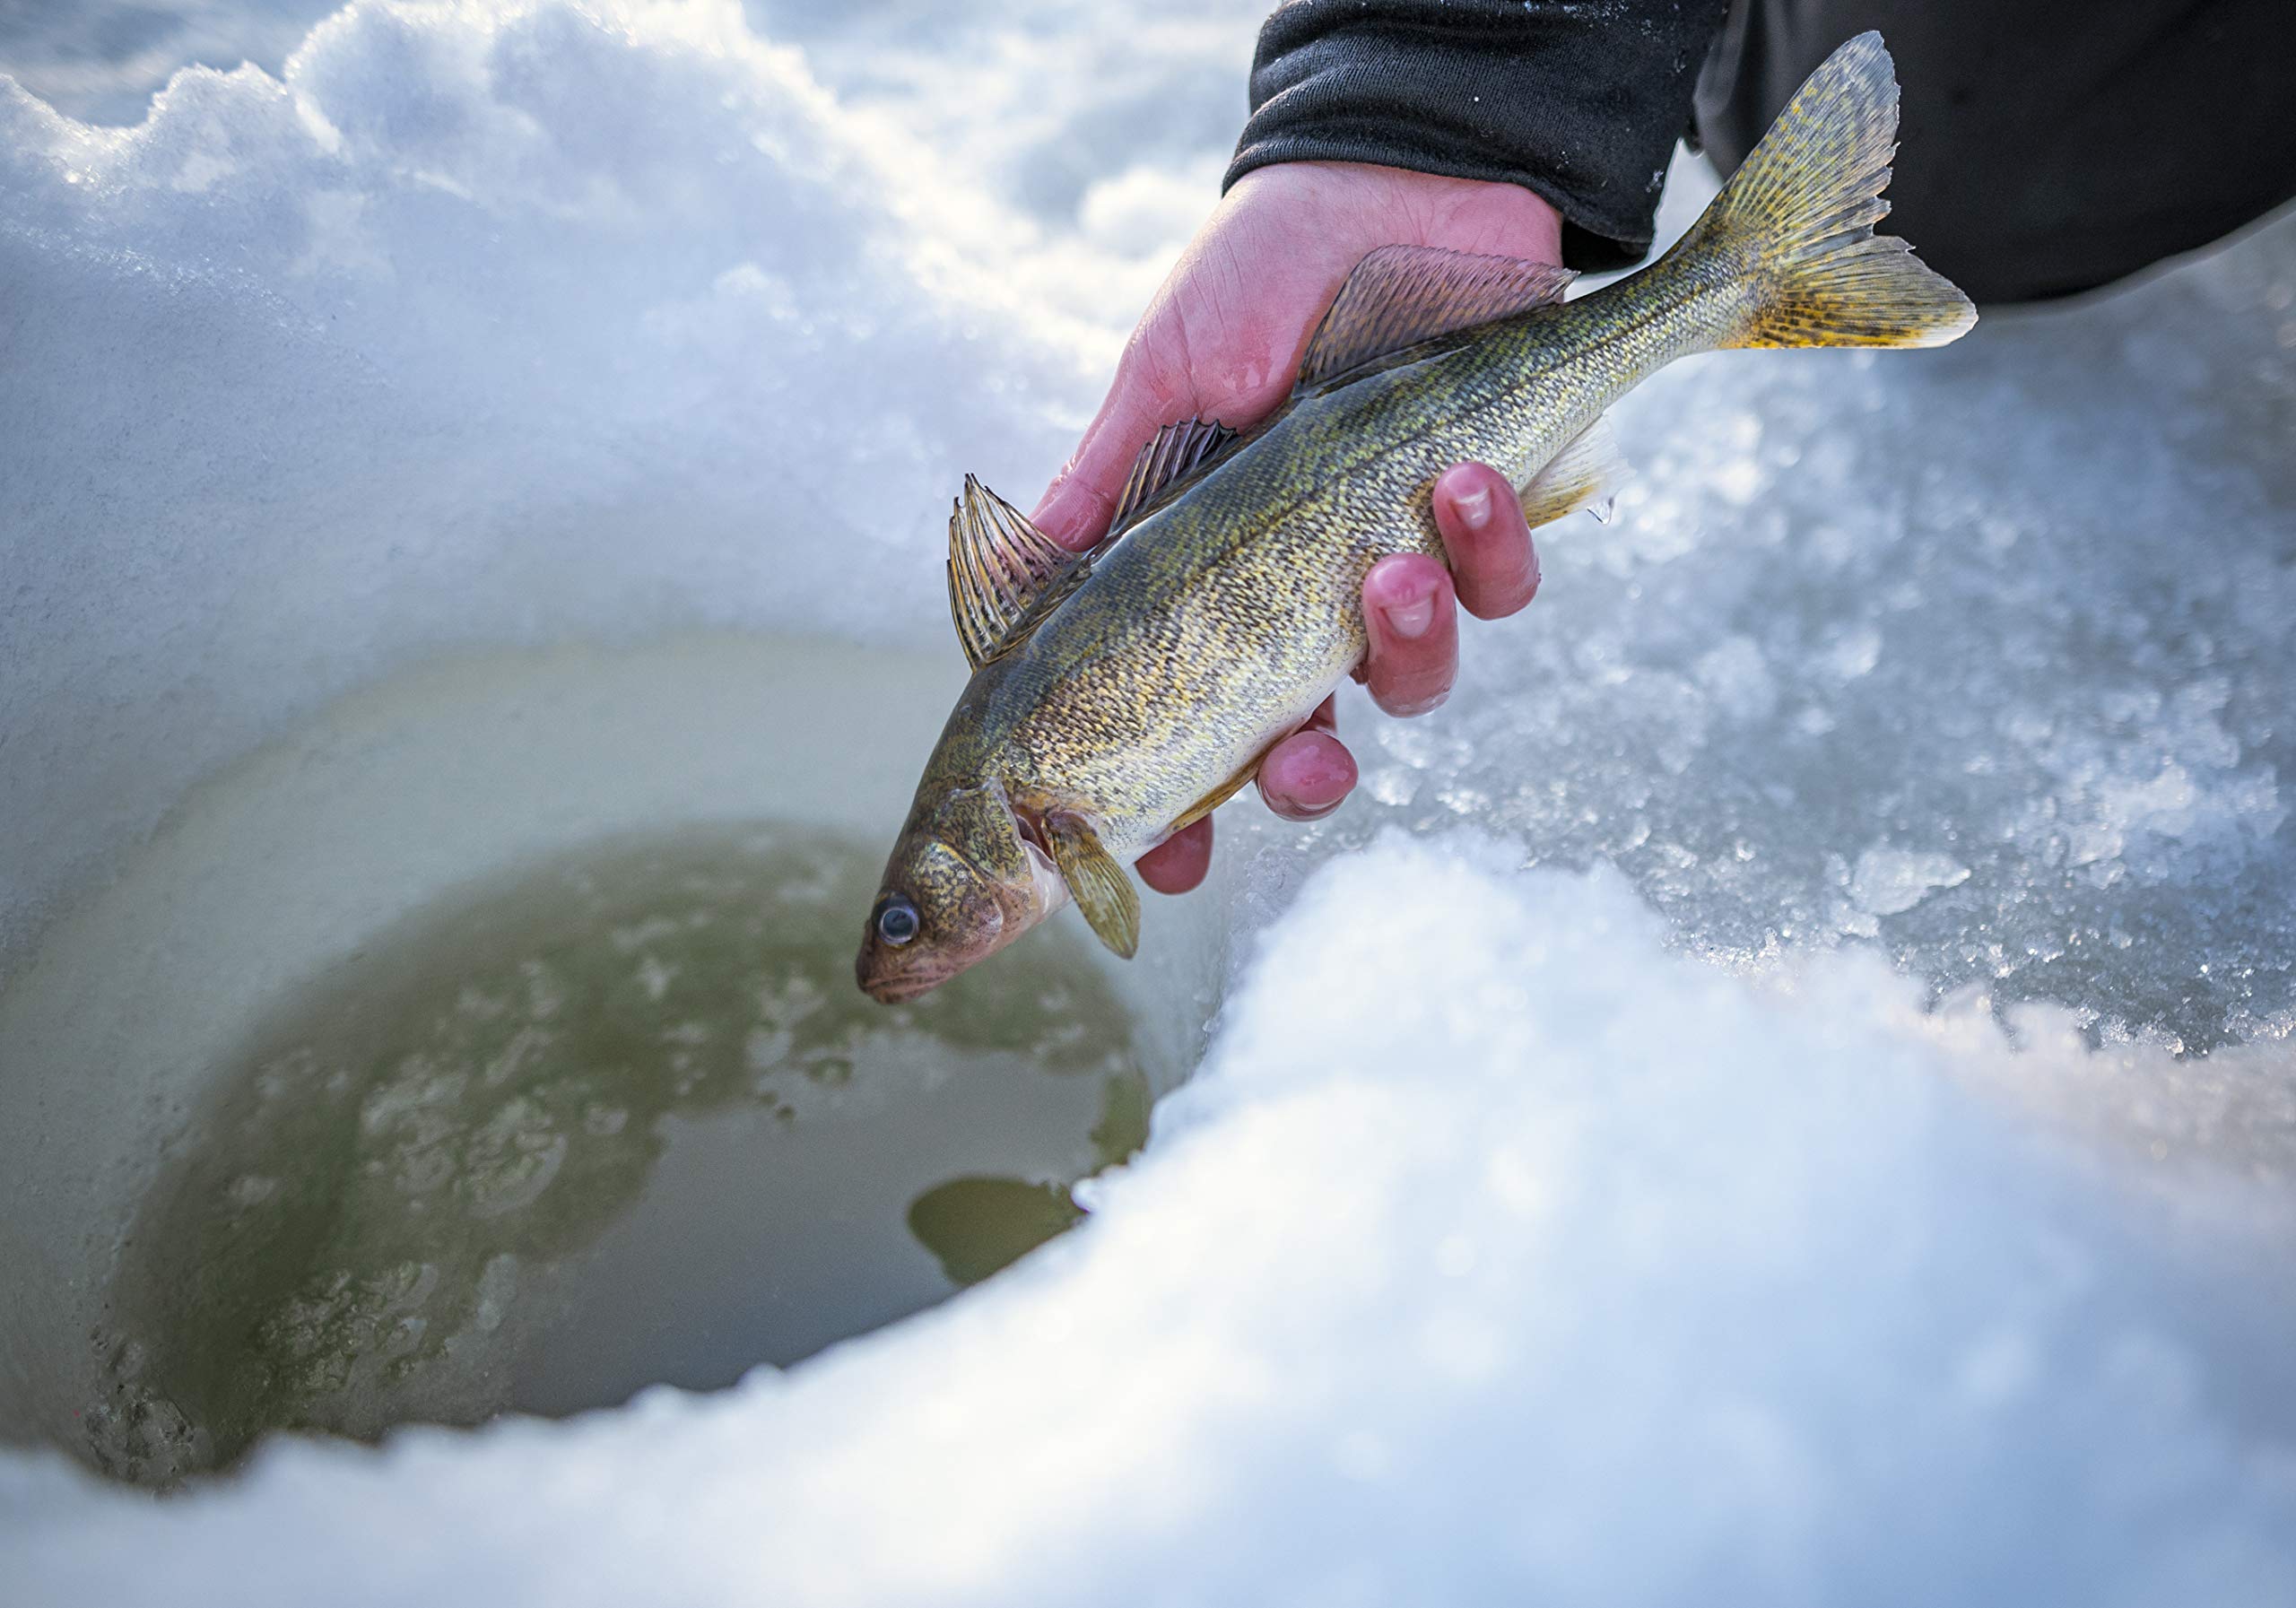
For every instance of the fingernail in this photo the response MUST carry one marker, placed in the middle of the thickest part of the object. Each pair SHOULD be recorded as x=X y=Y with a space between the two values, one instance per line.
x=1411 y=620
x=1473 y=507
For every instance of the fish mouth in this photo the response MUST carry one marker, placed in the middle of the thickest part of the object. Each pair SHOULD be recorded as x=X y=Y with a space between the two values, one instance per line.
x=898 y=988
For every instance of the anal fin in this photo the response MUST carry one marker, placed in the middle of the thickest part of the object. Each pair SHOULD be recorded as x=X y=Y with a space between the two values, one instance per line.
x=1587 y=474
x=1218 y=796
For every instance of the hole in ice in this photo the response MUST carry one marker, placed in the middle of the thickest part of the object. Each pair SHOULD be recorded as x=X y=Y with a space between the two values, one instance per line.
x=615 y=1118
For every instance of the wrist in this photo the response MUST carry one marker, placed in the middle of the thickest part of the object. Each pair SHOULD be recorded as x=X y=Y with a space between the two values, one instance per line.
x=1378 y=205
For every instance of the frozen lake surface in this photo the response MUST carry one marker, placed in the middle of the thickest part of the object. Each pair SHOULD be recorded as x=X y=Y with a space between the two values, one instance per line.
x=1779 y=1092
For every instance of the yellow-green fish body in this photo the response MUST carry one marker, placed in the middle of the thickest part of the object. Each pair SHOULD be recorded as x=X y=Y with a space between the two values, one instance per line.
x=1117 y=697
x=1220 y=621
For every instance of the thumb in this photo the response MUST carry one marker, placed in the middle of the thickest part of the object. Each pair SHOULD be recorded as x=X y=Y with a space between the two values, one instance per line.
x=1219 y=341
x=1076 y=508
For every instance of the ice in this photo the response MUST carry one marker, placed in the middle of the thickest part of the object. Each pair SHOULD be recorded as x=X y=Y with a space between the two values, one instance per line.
x=2014 y=608
x=1889 y=881
x=1779 y=1092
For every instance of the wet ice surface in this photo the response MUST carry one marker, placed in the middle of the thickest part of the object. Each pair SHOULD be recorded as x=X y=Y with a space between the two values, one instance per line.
x=1980 y=656
x=1644 y=1236
x=616 y=1120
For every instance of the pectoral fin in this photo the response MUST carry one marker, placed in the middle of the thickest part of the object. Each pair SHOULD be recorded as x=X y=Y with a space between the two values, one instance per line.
x=1096 y=882
x=1587 y=474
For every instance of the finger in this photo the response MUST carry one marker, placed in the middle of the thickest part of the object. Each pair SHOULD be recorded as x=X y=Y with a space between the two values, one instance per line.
x=1412 y=615
x=1305 y=777
x=1494 y=565
x=1076 y=508
x=1179 y=862
x=1156 y=383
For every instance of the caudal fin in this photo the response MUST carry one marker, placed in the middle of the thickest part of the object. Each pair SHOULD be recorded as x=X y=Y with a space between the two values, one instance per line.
x=1797 y=220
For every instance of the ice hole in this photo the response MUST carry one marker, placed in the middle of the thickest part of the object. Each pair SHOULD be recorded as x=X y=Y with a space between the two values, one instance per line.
x=491 y=1045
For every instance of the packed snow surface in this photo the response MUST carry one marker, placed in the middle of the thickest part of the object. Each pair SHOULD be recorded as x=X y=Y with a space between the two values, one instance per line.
x=1779 y=1093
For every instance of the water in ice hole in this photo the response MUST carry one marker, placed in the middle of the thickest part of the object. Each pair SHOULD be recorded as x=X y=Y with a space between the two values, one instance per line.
x=481 y=1046
x=616 y=1119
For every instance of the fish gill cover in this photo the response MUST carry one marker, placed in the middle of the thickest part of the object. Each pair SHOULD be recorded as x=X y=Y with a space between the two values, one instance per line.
x=1633 y=1234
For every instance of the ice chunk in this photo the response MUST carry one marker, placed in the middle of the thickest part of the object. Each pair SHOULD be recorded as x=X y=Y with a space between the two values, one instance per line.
x=1890 y=880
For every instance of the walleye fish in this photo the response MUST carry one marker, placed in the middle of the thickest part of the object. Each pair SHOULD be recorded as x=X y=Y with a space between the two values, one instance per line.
x=1120 y=695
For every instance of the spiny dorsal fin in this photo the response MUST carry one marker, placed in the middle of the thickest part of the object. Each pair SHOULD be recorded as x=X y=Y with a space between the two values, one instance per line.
x=1176 y=452
x=1096 y=882
x=1400 y=295
x=1587 y=474
x=998 y=565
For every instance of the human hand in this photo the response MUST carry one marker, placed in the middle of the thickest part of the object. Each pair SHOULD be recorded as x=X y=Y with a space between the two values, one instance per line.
x=1222 y=340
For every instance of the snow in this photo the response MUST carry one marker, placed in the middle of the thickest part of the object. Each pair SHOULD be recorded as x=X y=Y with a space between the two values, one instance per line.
x=1447 y=1277
x=1779 y=1092
x=493 y=323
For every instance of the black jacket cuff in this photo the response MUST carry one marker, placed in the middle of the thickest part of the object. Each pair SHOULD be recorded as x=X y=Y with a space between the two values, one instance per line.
x=1577 y=102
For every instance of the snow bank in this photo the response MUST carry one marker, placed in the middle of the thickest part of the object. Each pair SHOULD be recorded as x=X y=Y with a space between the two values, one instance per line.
x=489 y=323
x=1635 y=1234
x=101 y=60
x=1495 y=1255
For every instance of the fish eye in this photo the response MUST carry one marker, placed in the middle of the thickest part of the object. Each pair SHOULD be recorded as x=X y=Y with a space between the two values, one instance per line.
x=896 y=919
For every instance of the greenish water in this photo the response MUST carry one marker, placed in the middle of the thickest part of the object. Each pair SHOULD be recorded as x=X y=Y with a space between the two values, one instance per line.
x=618 y=1119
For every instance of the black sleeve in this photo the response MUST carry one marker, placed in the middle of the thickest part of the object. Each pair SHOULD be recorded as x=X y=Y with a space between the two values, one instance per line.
x=2051 y=145
x=1580 y=100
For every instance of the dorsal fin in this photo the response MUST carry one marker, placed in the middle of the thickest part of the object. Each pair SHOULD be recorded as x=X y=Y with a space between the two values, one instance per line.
x=1173 y=454
x=998 y=565
x=1400 y=295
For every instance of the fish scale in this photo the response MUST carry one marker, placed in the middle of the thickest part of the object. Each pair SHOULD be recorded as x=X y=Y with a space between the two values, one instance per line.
x=1118 y=696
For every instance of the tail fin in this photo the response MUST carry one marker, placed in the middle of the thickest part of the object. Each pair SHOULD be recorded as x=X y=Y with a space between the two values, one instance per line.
x=1798 y=220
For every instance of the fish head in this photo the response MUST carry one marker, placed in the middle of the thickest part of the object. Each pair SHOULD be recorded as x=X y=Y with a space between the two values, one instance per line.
x=965 y=879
